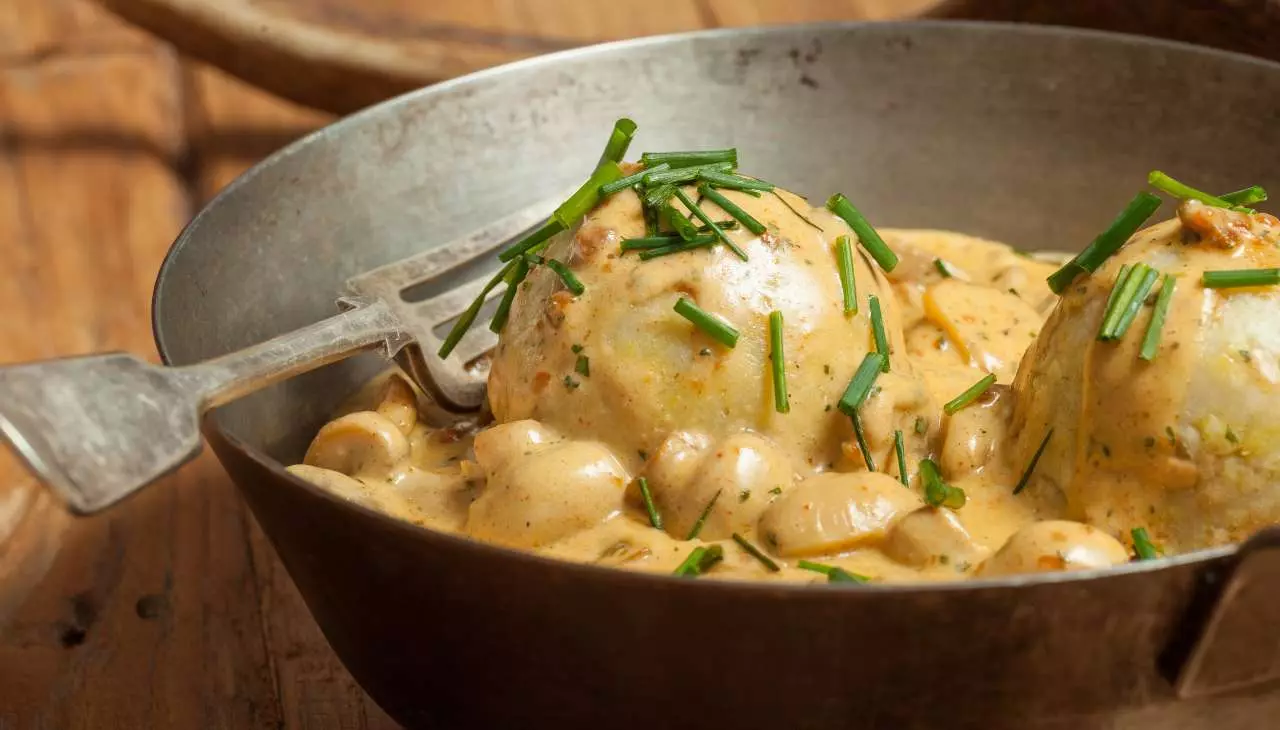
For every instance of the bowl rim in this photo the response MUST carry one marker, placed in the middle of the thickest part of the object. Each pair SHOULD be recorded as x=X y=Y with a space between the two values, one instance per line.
x=588 y=571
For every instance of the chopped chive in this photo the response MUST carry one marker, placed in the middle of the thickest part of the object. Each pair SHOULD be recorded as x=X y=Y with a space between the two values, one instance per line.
x=756 y=553
x=861 y=437
x=777 y=358
x=716 y=328
x=860 y=385
x=1031 y=467
x=740 y=215
x=678 y=222
x=792 y=208
x=971 y=394
x=700 y=560
x=500 y=315
x=680 y=247
x=1234 y=278
x=1142 y=545
x=877 y=331
x=583 y=366
x=1119 y=304
x=619 y=140
x=1161 y=181
x=706 y=220
x=659 y=196
x=1130 y=312
x=1136 y=213
x=692 y=159
x=571 y=282
x=650 y=218
x=1248 y=196
x=848 y=285
x=867 y=235
x=1121 y=277
x=1112 y=311
x=900 y=448
x=684 y=175
x=646 y=242
x=734 y=182
x=834 y=573
x=937 y=493
x=543 y=232
x=728 y=225
x=702 y=518
x=628 y=181
x=921 y=426
x=943 y=268
x=1151 y=343
x=655 y=518
x=581 y=202
x=469 y=317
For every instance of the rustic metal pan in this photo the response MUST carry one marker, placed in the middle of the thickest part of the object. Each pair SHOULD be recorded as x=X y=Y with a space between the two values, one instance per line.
x=1030 y=135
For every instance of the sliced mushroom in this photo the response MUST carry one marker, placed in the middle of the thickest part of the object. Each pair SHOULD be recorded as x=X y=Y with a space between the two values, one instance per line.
x=932 y=536
x=832 y=512
x=548 y=494
x=1055 y=545
x=497 y=446
x=399 y=404
x=971 y=433
x=362 y=444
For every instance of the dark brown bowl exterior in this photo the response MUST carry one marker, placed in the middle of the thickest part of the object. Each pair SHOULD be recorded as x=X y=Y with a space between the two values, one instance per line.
x=1031 y=135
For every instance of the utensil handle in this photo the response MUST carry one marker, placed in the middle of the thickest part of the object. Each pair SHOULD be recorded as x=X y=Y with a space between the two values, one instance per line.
x=98 y=428
x=1244 y=26
x=1229 y=640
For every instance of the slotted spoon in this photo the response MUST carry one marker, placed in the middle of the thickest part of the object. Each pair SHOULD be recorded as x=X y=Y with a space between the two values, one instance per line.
x=100 y=427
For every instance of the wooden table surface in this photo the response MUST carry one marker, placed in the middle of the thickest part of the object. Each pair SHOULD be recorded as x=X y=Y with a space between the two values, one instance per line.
x=173 y=610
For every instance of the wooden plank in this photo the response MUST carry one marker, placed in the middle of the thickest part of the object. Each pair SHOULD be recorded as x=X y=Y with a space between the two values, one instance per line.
x=34 y=30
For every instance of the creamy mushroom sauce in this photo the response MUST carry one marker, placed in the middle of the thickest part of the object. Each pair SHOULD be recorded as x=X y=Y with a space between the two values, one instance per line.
x=1183 y=445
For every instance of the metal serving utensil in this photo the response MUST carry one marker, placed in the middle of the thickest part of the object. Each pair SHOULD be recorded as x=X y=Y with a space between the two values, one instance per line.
x=100 y=427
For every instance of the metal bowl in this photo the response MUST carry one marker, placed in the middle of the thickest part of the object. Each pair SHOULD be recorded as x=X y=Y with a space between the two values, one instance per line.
x=1029 y=135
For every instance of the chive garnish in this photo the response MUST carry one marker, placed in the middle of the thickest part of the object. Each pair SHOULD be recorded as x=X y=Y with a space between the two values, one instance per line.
x=834 y=573
x=655 y=518
x=543 y=232
x=728 y=225
x=469 y=317
x=700 y=560
x=844 y=265
x=943 y=268
x=647 y=242
x=1161 y=181
x=716 y=328
x=1151 y=342
x=581 y=202
x=861 y=437
x=860 y=385
x=1125 y=305
x=691 y=159
x=1248 y=196
x=867 y=235
x=658 y=196
x=740 y=215
x=900 y=448
x=500 y=315
x=571 y=282
x=677 y=221
x=1130 y=313
x=777 y=362
x=1121 y=277
x=792 y=208
x=619 y=140
x=734 y=182
x=1235 y=278
x=1142 y=545
x=680 y=247
x=702 y=518
x=685 y=175
x=629 y=181
x=1031 y=467
x=971 y=394
x=756 y=553
x=583 y=366
x=877 y=331
x=1136 y=213
x=706 y=221
x=938 y=493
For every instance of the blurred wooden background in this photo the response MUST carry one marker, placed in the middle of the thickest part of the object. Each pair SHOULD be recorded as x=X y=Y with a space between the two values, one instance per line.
x=173 y=611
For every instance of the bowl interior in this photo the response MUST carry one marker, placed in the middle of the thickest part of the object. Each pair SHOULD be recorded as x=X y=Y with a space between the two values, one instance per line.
x=1033 y=136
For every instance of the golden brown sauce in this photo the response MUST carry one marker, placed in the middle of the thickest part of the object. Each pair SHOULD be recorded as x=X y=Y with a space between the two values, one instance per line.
x=557 y=471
